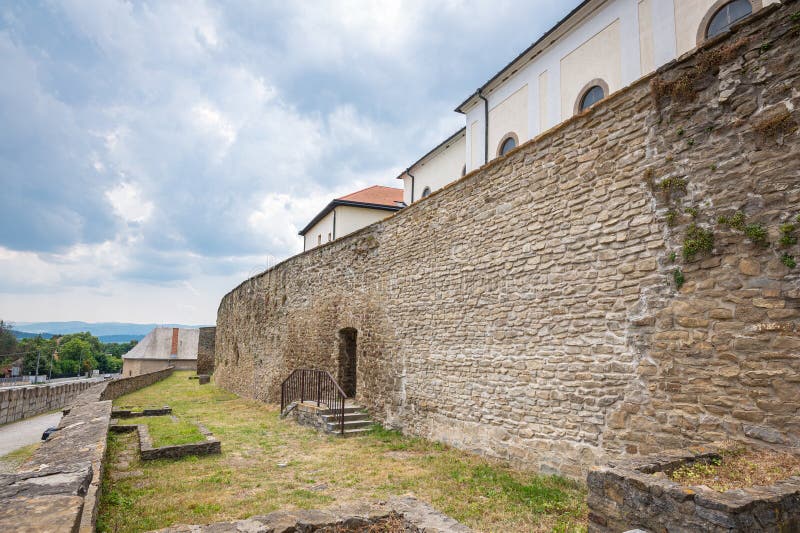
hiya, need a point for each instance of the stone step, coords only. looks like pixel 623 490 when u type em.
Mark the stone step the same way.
pixel 355 432
pixel 347 410
pixel 349 424
pixel 347 417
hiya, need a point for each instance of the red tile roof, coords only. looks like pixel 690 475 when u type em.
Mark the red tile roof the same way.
pixel 377 194
pixel 375 197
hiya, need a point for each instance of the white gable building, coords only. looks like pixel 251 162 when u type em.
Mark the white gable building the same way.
pixel 597 49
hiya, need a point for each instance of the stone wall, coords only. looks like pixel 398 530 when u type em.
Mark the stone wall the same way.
pixel 58 488
pixel 22 402
pixel 639 495
pixel 205 350
pixel 530 311
pixel 123 386
pixel 133 367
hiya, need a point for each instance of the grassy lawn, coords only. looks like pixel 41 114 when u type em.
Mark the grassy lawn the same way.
pixel 269 464
pixel 166 430
pixel 10 461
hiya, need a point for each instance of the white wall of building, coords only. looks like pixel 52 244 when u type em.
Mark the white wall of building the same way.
pixel 350 219
pixel 617 41
pixel 347 219
pixel 508 116
pixel 436 170
pixel 319 232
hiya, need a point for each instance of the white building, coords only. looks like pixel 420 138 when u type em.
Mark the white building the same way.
pixel 350 213
pixel 597 49
pixel 437 168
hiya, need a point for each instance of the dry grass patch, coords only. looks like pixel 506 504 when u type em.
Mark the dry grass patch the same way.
pixel 737 467
pixel 683 88
pixel 269 464
pixel 12 460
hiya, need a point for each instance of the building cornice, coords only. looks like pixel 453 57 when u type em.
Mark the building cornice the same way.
pixel 561 28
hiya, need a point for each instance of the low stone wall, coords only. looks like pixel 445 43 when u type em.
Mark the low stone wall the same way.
pixel 633 494
pixel 22 402
pixel 58 488
pixel 148 452
pixel 205 350
pixel 307 415
pixel 127 413
pixel 123 386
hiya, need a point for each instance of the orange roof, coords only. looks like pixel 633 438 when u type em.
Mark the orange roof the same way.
pixel 377 194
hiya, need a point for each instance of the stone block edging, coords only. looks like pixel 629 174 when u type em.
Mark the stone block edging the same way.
pixel 127 413
pixel 627 495
pixel 147 452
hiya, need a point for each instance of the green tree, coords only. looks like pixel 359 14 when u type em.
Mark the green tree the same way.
pixel 67 352
pixel 118 349
pixel 78 350
pixel 8 342
pixel 33 347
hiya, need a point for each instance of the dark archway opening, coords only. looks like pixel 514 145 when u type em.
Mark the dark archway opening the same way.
pixel 347 360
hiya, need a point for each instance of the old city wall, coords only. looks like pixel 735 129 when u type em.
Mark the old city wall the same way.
pixel 17 403
pixel 58 488
pixel 205 350
pixel 530 310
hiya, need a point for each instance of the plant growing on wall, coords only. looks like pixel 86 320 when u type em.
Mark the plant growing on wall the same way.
pixel 787 235
pixel 671 186
pixel 698 240
pixel 736 221
pixel 684 87
pixel 777 124
pixel 677 275
pixel 671 217
pixel 757 234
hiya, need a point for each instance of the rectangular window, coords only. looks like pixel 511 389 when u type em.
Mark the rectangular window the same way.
pixel 319 240
pixel 329 237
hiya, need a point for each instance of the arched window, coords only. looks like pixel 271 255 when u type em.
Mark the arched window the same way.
pixel 464 171
pixel 722 17
pixel 508 143
pixel 591 96
pixel 426 191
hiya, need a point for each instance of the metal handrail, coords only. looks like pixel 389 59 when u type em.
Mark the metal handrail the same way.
pixel 316 386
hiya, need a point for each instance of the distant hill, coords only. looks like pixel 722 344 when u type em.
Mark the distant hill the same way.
pixel 26 335
pixel 105 331
pixel 120 338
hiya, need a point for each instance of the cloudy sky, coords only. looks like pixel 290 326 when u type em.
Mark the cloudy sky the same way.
pixel 155 154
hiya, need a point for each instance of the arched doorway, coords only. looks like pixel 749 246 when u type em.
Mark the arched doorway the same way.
pixel 347 360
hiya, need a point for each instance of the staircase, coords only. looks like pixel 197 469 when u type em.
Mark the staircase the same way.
pixel 315 399
pixel 356 420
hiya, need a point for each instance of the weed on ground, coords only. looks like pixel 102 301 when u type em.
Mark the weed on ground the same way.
pixel 739 467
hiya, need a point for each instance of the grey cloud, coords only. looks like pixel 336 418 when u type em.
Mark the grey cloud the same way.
pixel 208 108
